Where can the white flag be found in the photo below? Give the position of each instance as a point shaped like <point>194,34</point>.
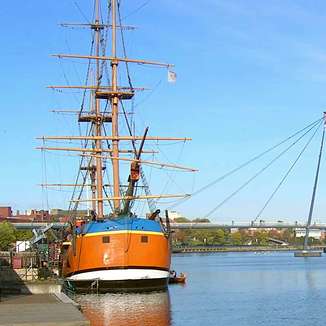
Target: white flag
<point>172,76</point>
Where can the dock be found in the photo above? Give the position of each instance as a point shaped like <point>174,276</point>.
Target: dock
<point>308,253</point>
<point>40,310</point>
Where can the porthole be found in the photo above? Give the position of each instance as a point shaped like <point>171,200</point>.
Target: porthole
<point>144,238</point>
<point>106,239</point>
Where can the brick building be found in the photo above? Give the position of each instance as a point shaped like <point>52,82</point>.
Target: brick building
<point>5,211</point>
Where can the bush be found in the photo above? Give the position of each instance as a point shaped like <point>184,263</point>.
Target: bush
<point>7,235</point>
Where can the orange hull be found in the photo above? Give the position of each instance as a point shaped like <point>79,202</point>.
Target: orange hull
<point>119,254</point>
<point>124,250</point>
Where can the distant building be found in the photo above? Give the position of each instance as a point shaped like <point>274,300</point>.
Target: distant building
<point>313,233</point>
<point>38,215</point>
<point>57,212</point>
<point>17,219</point>
<point>174,214</point>
<point>5,211</point>
<point>22,245</point>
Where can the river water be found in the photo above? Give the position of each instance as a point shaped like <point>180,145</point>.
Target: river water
<point>239,289</point>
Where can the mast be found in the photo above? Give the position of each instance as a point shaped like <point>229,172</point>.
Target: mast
<point>98,122</point>
<point>93,144</point>
<point>115,113</point>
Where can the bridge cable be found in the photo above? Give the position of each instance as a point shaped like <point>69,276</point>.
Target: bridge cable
<point>257,174</point>
<point>246,163</point>
<point>286,175</point>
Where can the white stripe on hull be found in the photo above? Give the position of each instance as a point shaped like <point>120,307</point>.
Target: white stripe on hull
<point>120,275</point>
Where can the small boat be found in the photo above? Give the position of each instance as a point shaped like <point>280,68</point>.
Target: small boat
<point>174,279</point>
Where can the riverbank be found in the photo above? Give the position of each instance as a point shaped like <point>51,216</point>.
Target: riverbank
<point>194,249</point>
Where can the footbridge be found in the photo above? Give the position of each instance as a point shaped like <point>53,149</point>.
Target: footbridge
<point>250,225</point>
<point>194,226</point>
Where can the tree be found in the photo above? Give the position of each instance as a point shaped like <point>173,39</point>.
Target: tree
<point>261,238</point>
<point>7,235</point>
<point>179,236</point>
<point>245,236</point>
<point>236,238</point>
<point>289,236</point>
<point>275,234</point>
<point>23,235</point>
<point>219,237</point>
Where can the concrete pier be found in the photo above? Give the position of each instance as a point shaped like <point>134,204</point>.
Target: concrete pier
<point>40,310</point>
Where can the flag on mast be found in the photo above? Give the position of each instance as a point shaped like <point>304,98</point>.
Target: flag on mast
<point>172,76</point>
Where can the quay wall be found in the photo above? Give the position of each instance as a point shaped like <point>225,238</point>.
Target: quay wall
<point>207,249</point>
<point>26,281</point>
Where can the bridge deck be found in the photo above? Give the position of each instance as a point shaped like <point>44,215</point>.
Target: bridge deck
<point>176,226</point>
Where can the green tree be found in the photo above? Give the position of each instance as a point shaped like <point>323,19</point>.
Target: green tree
<point>236,238</point>
<point>23,235</point>
<point>261,238</point>
<point>219,237</point>
<point>7,235</point>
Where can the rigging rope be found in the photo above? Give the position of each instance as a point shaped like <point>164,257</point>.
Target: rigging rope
<point>151,203</point>
<point>133,142</point>
<point>88,72</point>
<point>124,46</point>
<point>81,12</point>
<point>78,176</point>
<point>137,9</point>
<point>89,133</point>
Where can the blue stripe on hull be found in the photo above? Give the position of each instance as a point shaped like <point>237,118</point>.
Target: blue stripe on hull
<point>121,224</point>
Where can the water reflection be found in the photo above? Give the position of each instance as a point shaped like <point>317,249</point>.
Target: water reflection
<point>130,309</point>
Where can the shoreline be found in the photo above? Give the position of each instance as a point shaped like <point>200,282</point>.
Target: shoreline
<point>202,249</point>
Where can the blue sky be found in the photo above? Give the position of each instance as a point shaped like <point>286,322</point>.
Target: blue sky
<point>249,74</point>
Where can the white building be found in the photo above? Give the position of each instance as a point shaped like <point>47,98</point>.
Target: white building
<point>174,214</point>
<point>313,233</point>
<point>22,245</point>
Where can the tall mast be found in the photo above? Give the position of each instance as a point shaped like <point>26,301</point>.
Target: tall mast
<point>115,111</point>
<point>94,146</point>
<point>98,122</point>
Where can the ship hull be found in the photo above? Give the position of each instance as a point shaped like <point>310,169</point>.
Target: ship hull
<point>117,280</point>
<point>133,254</point>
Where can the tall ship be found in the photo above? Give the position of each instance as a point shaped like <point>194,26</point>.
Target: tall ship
<point>111,247</point>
